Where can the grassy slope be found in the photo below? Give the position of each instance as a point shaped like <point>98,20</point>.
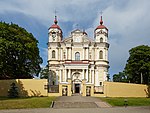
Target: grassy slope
<point>34,102</point>
<point>131,101</point>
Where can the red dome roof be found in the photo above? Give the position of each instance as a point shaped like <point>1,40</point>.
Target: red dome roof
<point>55,24</point>
<point>101,26</point>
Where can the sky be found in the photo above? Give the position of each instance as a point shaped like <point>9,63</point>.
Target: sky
<point>128,22</point>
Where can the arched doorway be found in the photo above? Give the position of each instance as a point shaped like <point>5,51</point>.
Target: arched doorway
<point>76,83</point>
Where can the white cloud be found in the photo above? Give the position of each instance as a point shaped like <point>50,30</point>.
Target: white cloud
<point>131,26</point>
<point>127,21</point>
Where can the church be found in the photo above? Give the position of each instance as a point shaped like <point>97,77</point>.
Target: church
<point>78,62</point>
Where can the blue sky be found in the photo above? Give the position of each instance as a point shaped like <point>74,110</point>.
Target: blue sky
<point>128,22</point>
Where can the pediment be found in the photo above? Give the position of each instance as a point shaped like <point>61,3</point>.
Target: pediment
<point>76,31</point>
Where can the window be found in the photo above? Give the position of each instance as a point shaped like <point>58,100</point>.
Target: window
<point>53,54</point>
<point>53,35</point>
<point>77,56</point>
<point>100,83</point>
<point>101,54</point>
<point>101,39</point>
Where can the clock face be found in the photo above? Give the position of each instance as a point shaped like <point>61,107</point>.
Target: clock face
<point>53,35</point>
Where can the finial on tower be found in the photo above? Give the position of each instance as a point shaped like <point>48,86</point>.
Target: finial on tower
<point>101,21</point>
<point>55,21</point>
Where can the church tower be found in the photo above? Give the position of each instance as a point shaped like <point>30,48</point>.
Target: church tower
<point>55,38</point>
<point>55,33</point>
<point>102,45</point>
<point>101,32</point>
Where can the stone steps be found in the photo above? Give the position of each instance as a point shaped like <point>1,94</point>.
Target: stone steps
<point>58,104</point>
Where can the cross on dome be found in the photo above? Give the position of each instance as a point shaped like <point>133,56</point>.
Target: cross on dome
<point>101,21</point>
<point>55,20</point>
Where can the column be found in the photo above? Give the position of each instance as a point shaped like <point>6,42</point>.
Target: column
<point>87,75</point>
<point>60,77</point>
<point>83,73</point>
<point>87,53</point>
<point>66,53</point>
<point>56,77</point>
<point>90,76</point>
<point>97,56</point>
<point>56,53</point>
<point>69,55</point>
<point>83,53</point>
<point>69,73</point>
<point>61,54</point>
<point>93,54</point>
<point>93,77</point>
<point>65,76</point>
<point>96,78</point>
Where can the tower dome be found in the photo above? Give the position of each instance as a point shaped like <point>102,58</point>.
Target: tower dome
<point>101,26</point>
<point>55,24</point>
<point>55,32</point>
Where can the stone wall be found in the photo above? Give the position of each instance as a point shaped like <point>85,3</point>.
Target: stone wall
<point>26,87</point>
<point>116,89</point>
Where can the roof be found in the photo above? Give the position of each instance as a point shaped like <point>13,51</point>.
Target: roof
<point>55,24</point>
<point>101,26</point>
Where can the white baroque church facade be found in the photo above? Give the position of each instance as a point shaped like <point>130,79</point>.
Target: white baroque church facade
<point>78,58</point>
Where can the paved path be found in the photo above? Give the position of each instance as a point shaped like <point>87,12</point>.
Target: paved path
<point>79,102</point>
<point>82,110</point>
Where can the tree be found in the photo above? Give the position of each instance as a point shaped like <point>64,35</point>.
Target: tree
<point>120,77</point>
<point>138,65</point>
<point>48,74</point>
<point>13,91</point>
<point>19,53</point>
<point>44,73</point>
<point>108,77</point>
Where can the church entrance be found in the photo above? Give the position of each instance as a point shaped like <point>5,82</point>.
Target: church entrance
<point>76,82</point>
<point>77,88</point>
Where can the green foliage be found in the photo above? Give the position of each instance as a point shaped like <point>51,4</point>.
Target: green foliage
<point>108,77</point>
<point>138,65</point>
<point>19,53</point>
<point>20,103</point>
<point>13,91</point>
<point>44,73</point>
<point>121,77</point>
<point>130,101</point>
<point>48,74</point>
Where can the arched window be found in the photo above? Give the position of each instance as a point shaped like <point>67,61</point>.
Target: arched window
<point>53,54</point>
<point>101,39</point>
<point>77,56</point>
<point>101,54</point>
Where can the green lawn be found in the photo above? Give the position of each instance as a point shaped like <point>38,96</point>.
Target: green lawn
<point>33,102</point>
<point>130,101</point>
